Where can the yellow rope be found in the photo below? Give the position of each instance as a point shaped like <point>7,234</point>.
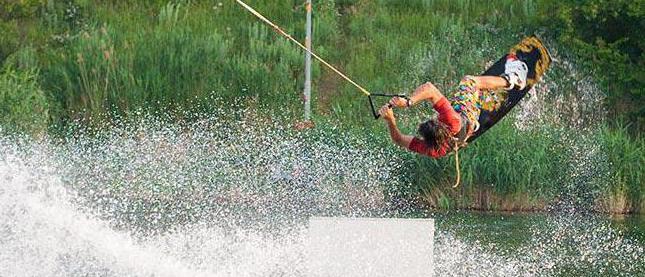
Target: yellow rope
<point>364,91</point>
<point>280,31</point>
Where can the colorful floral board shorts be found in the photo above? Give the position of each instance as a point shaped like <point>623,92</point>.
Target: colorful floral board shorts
<point>469,101</point>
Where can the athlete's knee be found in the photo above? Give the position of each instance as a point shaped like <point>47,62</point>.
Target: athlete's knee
<point>430,92</point>
<point>429,87</point>
<point>471,78</point>
<point>484,82</point>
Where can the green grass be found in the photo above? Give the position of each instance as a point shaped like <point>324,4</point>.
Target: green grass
<point>626,157</point>
<point>116,57</point>
<point>172,60</point>
<point>23,105</point>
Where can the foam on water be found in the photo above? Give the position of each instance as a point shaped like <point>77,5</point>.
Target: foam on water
<point>44,234</point>
<point>577,245</point>
<point>150,197</point>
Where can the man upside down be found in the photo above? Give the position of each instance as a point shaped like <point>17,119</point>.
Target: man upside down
<point>458,118</point>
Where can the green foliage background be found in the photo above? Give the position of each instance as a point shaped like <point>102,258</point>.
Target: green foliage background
<point>607,35</point>
<point>81,60</point>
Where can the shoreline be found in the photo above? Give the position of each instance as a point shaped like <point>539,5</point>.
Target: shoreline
<point>485,200</point>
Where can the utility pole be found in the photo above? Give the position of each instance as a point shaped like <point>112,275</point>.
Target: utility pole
<point>308,64</point>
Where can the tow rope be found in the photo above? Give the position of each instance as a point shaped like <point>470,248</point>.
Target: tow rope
<point>363,90</point>
<point>288,36</point>
<point>285,34</point>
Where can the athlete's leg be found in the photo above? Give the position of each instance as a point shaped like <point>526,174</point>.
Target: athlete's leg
<point>514,77</point>
<point>466,99</point>
<point>477,93</point>
<point>490,82</point>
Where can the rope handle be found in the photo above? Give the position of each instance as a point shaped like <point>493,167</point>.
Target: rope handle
<point>374,112</point>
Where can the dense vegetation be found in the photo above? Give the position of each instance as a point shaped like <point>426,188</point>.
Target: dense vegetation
<point>81,60</point>
<point>607,35</point>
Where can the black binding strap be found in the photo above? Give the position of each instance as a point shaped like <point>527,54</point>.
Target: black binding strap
<point>374,112</point>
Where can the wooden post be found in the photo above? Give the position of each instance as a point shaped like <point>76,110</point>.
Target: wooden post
<point>307,91</point>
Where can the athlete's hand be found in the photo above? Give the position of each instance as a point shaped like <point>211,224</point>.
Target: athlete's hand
<point>386,113</point>
<point>399,102</point>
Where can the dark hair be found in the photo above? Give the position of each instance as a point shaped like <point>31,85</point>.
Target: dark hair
<point>434,133</point>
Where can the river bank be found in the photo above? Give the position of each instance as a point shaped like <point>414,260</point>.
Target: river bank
<point>486,200</point>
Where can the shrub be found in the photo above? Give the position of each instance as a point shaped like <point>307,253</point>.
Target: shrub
<point>607,36</point>
<point>19,9</point>
<point>8,39</point>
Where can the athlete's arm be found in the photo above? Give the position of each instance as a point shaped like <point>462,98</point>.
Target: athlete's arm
<point>399,139</point>
<point>427,91</point>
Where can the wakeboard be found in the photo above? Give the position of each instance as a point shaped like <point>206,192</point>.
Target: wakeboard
<point>536,56</point>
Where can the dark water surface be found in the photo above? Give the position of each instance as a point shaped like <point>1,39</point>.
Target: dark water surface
<point>545,244</point>
<point>509,229</point>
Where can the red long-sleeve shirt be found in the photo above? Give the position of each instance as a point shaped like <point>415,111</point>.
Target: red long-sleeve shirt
<point>448,116</point>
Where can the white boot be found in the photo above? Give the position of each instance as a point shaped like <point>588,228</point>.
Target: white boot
<point>515,73</point>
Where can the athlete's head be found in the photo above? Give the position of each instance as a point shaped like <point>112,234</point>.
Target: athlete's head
<point>434,132</point>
